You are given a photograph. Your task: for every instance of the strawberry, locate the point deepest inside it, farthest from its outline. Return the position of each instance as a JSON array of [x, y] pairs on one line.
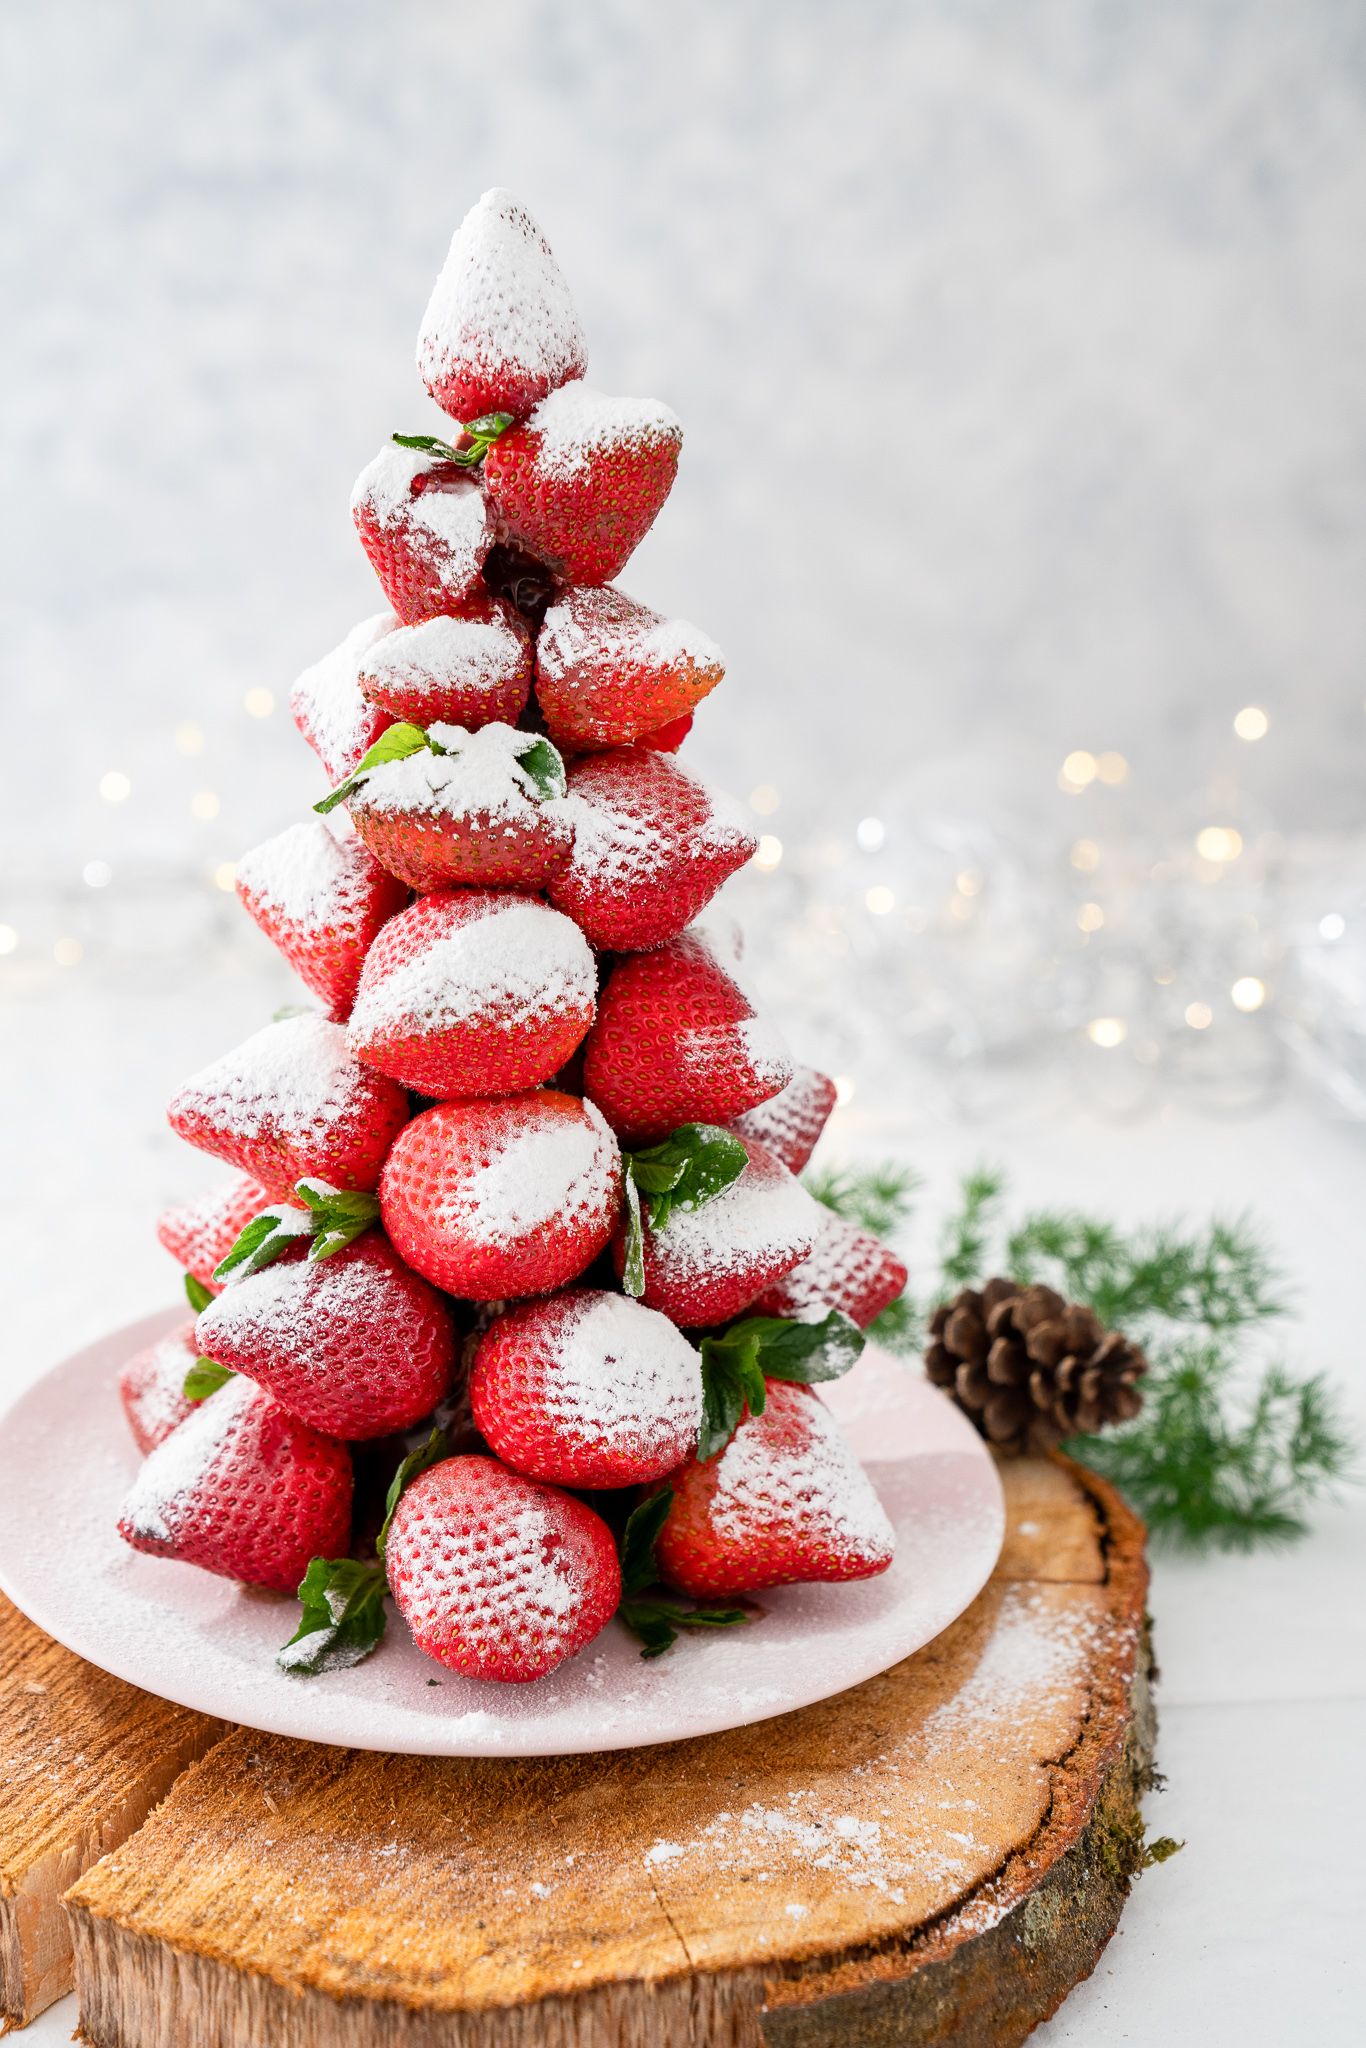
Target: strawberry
[[847, 1269], [668, 738], [609, 670], [322, 901], [492, 1199], [197, 1234], [677, 1042], [423, 523], [790, 1122], [354, 1345], [785, 1502], [708, 1262], [578, 483], [652, 845], [497, 1575], [242, 1488], [290, 1102], [500, 331], [152, 1387], [474, 992], [587, 1389], [327, 706], [449, 806], [471, 671]]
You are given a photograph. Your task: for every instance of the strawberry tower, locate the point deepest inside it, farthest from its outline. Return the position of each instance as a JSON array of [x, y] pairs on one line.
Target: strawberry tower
[[514, 1311]]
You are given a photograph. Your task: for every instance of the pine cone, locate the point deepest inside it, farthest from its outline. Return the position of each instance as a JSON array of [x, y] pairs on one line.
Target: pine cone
[[1029, 1368]]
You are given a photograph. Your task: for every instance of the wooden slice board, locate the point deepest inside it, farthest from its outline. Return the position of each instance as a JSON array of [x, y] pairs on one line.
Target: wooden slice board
[[933, 1858]]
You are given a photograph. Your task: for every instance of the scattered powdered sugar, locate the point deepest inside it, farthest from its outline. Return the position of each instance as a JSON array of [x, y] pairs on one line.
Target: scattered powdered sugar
[[761, 1481], [619, 841], [445, 527], [611, 845], [153, 1386], [479, 774], [790, 1122], [166, 1479], [622, 1370], [761, 1216], [550, 1168], [289, 1076], [326, 704], [575, 423], [307, 875], [511, 964], [500, 305], [480, 652], [604, 626]]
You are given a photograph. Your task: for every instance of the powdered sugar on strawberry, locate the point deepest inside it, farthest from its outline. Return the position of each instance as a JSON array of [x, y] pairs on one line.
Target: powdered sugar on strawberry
[[326, 703], [500, 327], [293, 1076], [576, 423], [478, 774], [444, 527], [623, 1373], [483, 654], [605, 625], [163, 1491], [511, 965], [538, 1175], [309, 876], [759, 1217], [830, 1495]]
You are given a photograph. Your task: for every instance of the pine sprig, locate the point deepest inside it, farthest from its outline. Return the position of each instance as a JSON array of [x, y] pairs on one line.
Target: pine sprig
[[1229, 1451], [1212, 1464]]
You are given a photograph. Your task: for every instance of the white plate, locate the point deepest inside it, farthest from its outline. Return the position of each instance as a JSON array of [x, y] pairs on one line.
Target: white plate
[[67, 1458]]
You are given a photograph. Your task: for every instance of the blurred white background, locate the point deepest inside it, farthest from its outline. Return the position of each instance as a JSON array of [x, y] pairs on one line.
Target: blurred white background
[[1021, 350]]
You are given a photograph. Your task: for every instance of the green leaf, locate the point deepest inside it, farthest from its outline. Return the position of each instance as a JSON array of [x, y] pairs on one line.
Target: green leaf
[[266, 1238], [657, 1622], [638, 1540], [395, 743], [686, 1170], [205, 1377], [197, 1294], [427, 444], [737, 1364], [342, 1620], [544, 764], [430, 1453], [633, 1268], [489, 425], [337, 1216]]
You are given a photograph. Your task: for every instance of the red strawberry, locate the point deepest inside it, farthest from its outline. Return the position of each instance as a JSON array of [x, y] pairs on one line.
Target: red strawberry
[[198, 1234], [475, 992], [667, 739], [498, 1576], [786, 1501], [244, 1489], [152, 1387], [580, 481], [501, 330], [496, 1199], [609, 670], [710, 1262], [652, 845], [470, 671], [423, 523], [587, 1389], [848, 1269], [291, 1102], [327, 706], [321, 900], [790, 1122], [677, 1042], [355, 1344], [468, 808]]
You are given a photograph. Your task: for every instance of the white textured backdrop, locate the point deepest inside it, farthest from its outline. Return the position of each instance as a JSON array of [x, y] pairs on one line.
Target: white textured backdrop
[[1021, 351]]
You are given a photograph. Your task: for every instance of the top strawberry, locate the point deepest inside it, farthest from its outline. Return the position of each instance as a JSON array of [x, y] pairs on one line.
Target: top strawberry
[[500, 330]]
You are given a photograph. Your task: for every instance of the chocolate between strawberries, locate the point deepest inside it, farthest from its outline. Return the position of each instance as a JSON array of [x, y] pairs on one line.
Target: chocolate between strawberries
[[534, 1161]]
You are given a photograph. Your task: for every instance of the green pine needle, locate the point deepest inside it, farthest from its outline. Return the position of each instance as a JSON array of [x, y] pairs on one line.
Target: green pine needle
[[1229, 1451]]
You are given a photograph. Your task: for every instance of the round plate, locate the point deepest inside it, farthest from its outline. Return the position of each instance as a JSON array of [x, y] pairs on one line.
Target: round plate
[[209, 1644]]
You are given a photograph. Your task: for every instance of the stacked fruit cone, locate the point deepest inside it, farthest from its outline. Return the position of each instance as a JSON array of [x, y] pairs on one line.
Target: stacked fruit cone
[[514, 1312]]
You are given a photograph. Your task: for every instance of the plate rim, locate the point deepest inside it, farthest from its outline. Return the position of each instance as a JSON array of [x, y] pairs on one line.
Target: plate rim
[[131, 1337]]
